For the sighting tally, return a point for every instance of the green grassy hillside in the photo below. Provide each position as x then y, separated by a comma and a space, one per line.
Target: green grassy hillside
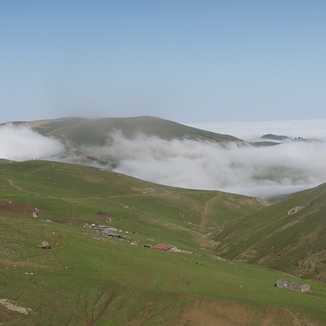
288, 236
90, 279
94, 131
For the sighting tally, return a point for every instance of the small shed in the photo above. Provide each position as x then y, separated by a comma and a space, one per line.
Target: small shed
293, 286
163, 246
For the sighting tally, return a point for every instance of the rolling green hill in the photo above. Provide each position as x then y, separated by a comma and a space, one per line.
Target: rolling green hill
87, 278
94, 131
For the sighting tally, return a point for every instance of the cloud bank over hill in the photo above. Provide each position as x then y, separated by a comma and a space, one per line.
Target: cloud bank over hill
255, 171
21, 144
261, 172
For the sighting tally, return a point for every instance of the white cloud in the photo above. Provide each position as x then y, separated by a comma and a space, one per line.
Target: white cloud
21, 144
261, 172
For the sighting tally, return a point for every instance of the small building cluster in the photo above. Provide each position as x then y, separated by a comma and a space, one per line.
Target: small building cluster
112, 235
108, 230
90, 226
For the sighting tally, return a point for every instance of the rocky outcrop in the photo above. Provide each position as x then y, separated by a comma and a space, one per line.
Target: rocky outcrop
11, 306
45, 245
294, 210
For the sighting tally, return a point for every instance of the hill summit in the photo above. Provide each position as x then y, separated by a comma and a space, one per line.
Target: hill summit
94, 131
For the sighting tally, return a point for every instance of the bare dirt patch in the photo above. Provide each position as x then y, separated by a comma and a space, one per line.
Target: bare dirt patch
10, 207
216, 314
233, 314
104, 216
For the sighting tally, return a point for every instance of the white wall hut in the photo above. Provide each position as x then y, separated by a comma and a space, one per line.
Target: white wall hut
293, 286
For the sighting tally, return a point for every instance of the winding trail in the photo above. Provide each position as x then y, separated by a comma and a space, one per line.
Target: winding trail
160, 194
73, 211
13, 185
207, 210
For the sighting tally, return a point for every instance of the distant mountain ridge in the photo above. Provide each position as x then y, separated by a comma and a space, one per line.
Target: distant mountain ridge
274, 137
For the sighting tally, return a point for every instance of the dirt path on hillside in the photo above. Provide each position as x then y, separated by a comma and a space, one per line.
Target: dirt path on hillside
138, 195
206, 212
73, 210
13, 185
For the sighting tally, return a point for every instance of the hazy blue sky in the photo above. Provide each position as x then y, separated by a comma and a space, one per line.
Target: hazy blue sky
183, 60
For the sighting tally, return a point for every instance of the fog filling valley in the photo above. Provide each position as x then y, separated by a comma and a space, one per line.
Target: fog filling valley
255, 171
262, 172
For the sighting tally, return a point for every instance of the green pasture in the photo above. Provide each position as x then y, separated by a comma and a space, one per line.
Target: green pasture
90, 279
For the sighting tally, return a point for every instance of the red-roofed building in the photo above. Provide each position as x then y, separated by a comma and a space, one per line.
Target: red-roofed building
163, 246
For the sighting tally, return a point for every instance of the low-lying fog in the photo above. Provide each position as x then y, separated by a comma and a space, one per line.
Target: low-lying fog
22, 144
255, 171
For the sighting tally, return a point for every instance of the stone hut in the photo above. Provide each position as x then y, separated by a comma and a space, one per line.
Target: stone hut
293, 286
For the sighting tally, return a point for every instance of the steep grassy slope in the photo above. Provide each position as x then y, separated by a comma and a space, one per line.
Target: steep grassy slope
89, 279
94, 131
288, 236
